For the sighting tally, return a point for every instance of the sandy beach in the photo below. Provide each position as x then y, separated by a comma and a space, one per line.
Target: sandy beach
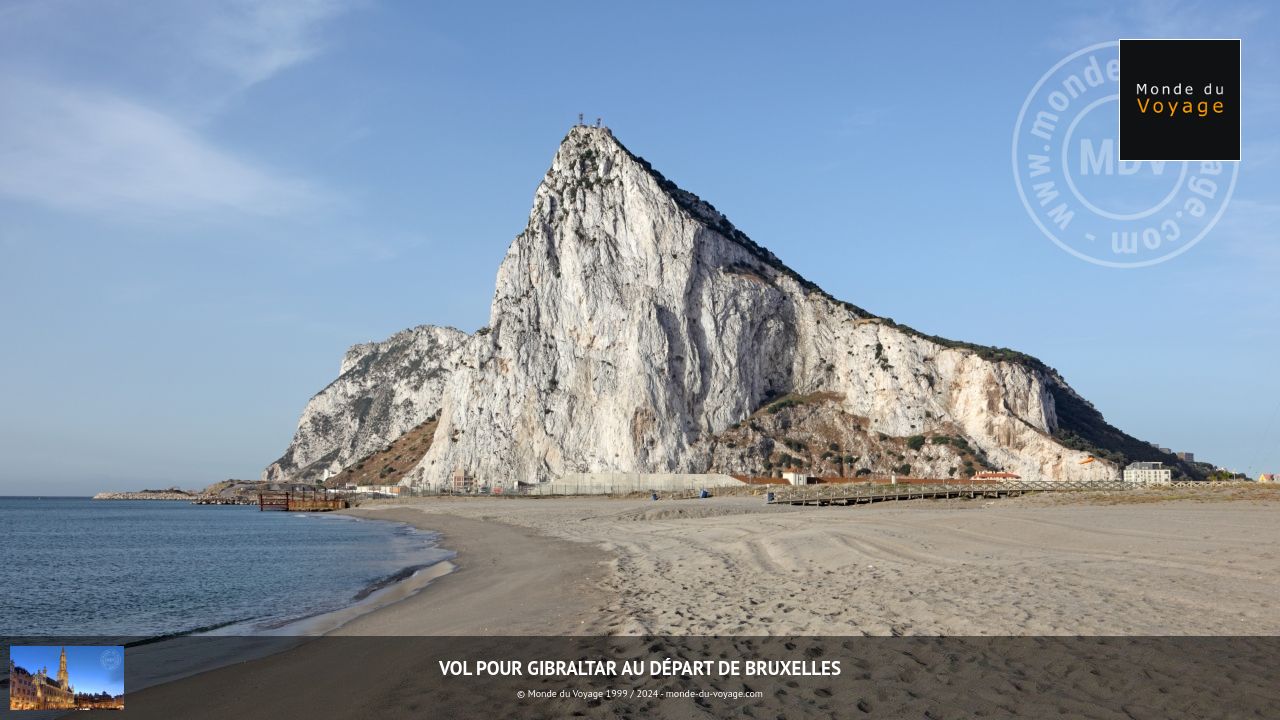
1202, 565
506, 582
1027, 566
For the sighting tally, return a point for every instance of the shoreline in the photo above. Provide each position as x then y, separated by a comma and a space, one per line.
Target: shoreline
1026, 570
499, 583
253, 632
504, 580
180, 656
379, 593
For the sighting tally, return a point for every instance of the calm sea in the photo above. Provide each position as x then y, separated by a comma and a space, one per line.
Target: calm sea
74, 566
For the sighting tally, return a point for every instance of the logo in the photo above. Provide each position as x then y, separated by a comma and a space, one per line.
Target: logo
1180, 99
111, 658
1070, 178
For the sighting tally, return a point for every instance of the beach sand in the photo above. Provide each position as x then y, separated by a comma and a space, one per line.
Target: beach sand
1037, 566
506, 582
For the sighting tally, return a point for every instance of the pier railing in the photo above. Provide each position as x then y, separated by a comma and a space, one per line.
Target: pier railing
301, 501
858, 493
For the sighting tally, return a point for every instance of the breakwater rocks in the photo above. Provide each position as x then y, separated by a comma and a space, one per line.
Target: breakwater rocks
171, 494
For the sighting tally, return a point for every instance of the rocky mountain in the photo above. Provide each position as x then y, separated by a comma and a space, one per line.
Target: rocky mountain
633, 328
383, 390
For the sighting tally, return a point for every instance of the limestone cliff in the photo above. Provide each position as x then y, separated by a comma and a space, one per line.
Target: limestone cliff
383, 390
633, 328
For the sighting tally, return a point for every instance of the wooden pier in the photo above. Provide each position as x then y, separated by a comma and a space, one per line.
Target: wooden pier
303, 501
862, 493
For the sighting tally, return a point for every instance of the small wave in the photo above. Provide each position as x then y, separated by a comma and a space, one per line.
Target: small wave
203, 629
395, 577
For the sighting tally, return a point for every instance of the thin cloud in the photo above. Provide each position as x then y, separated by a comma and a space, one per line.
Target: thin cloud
91, 151
256, 40
126, 144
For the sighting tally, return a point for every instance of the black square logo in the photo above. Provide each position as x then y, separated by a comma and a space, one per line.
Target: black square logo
1179, 99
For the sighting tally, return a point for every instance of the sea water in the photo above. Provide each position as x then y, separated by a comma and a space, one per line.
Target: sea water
75, 566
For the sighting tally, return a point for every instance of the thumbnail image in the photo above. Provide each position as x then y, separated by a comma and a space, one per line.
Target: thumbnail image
88, 677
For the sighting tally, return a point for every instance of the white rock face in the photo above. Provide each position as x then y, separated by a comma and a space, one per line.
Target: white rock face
383, 389
631, 324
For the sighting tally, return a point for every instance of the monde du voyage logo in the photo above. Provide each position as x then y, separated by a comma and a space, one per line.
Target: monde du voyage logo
1124, 153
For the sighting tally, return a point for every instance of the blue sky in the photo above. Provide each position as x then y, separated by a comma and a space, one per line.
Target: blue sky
202, 204
86, 668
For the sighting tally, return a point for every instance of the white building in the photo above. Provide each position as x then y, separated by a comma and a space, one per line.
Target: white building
795, 477
1148, 473
384, 490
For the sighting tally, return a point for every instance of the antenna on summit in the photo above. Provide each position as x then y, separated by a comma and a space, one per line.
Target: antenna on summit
580, 119
597, 122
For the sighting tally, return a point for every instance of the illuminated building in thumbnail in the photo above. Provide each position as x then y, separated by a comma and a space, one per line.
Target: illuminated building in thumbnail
38, 691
